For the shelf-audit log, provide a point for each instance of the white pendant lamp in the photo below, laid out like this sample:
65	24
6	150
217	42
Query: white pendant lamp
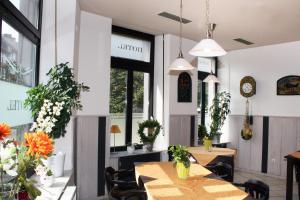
180	64
211	78
208	47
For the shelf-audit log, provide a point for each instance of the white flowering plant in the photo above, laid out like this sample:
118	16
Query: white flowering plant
52	104
47	116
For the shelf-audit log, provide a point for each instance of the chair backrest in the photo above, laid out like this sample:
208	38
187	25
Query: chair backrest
257	189
223	170
109	177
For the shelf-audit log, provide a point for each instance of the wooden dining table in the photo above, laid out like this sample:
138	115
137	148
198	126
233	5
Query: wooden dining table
161	182
205	157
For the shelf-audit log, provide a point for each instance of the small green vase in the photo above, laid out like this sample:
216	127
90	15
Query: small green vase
182	171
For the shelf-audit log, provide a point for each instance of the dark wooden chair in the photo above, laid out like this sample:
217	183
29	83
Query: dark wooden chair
297	171
121	189
222	170
256	189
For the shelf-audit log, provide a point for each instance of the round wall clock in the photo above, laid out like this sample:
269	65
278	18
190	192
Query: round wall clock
247	86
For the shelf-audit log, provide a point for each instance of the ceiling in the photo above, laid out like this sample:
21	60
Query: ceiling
262	22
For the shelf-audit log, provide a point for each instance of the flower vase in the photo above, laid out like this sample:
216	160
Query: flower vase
182	171
59	164
47	181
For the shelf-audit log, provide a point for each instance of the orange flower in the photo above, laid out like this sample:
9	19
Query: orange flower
39	144
5	131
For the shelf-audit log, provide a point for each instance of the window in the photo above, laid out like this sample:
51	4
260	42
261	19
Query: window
19	55
205	66
131	86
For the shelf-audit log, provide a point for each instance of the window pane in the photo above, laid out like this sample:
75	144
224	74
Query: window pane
18	57
199	100
118	97
17	75
29	8
206	64
140	105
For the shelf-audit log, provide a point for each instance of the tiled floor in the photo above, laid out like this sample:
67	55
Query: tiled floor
277	186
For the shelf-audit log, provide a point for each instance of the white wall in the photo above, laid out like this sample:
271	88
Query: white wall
66	21
266	64
171	106
94	63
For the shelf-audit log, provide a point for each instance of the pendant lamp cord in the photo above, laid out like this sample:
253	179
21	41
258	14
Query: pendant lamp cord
55	33
180	29
207	12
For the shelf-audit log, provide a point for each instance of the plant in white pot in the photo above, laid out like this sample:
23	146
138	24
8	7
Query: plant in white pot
219	111
52	105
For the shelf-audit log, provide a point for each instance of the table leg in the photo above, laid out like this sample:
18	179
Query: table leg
289	180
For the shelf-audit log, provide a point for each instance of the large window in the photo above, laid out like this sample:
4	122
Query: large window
20	40
205	66
131	83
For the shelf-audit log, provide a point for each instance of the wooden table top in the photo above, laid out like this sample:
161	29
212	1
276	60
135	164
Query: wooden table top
161	183
204	157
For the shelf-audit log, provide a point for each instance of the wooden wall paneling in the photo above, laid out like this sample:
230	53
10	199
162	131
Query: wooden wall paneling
244	153
185	134
298	134
235	126
175	128
274	154
180	129
288	141
256	144
87	157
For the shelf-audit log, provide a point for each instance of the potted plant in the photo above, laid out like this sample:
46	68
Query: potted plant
218	114
153	127
202	132
52	106
181	160
16	158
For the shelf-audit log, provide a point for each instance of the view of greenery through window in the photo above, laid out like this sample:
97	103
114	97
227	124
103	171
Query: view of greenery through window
118	89
118	102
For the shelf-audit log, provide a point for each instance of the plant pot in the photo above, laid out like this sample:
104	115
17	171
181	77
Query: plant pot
182	171
47	181
148	147
217	137
22	195
207	144
130	149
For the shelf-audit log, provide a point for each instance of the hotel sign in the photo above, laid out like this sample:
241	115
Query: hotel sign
130	48
12	110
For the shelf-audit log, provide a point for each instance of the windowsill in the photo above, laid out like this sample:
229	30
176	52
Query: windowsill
119	154
56	190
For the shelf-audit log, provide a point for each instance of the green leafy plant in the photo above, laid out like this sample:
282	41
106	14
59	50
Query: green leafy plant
219	112
150	124
202	131
180	155
61	87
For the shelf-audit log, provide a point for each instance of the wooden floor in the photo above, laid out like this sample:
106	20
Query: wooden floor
277	185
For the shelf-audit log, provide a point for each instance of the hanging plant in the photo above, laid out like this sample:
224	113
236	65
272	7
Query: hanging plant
153	131
52	104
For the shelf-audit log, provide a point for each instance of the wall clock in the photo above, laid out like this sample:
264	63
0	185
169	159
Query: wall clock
247	86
